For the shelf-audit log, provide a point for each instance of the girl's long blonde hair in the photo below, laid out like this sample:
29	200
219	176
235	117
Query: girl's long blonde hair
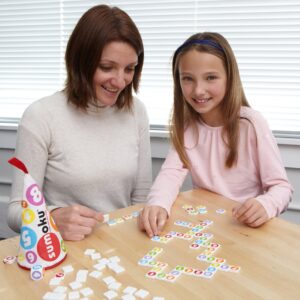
183	115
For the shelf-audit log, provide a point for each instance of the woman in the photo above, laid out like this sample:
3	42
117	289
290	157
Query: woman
88	146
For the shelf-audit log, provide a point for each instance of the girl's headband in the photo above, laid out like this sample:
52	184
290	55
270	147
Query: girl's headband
199	42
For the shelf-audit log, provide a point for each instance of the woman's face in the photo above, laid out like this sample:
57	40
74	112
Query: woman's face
114	72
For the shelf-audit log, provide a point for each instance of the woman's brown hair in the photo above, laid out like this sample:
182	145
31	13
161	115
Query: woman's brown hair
96	28
183	115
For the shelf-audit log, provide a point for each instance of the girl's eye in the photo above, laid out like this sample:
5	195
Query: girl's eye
211	77
186	78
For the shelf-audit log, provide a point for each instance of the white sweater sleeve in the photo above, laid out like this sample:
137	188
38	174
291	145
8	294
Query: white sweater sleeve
33	139
144	174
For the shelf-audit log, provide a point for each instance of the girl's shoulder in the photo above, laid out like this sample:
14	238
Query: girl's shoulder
253	118
252	115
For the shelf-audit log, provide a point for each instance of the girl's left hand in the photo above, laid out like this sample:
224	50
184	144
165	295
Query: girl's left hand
251	213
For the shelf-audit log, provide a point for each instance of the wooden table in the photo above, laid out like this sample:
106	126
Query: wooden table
269	257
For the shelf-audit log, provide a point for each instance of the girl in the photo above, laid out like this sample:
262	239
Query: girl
227	146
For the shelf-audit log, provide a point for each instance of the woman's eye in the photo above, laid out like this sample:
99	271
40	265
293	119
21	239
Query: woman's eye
130	70
105	68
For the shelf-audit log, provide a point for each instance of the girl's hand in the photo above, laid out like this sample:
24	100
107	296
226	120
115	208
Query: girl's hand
152	219
76	221
251	213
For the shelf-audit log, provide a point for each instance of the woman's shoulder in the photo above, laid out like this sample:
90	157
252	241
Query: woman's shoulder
138	105
139	109
46	105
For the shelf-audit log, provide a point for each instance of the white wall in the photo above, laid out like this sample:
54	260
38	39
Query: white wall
290	150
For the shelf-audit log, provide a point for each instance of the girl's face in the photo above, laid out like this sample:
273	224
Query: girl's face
203	83
114	72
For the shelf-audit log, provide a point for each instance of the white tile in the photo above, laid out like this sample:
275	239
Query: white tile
110	295
130	290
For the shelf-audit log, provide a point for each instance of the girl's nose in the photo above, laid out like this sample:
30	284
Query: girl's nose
199	88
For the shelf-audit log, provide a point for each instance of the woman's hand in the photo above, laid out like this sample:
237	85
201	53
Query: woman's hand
76	221
152	219
251	213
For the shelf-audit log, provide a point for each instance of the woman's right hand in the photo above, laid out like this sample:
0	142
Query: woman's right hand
75	222
152	219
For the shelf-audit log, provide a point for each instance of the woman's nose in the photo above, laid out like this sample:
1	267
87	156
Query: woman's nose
119	80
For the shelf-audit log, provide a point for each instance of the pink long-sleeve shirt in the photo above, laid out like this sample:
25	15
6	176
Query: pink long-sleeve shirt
259	172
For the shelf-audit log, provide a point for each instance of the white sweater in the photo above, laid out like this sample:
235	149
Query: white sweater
99	158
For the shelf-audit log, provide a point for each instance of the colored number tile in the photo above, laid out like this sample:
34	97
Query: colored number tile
161	264
194	246
185	206
170	278
224	268
143	262
151	274
156	269
172	233
179	268
111	222
235	269
127	217
211	269
119	220
188	271
207	274
216	265
199	242
135	214
220	260
202	257
175	273
187	237
197	272
161	275
9	260
36	274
